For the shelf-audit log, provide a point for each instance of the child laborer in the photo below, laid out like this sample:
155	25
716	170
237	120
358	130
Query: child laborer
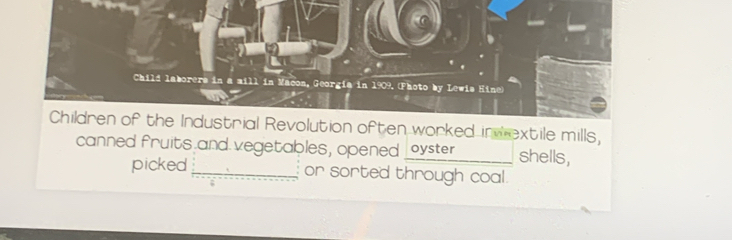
271	28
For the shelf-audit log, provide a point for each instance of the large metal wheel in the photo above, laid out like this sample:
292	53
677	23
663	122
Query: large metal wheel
417	22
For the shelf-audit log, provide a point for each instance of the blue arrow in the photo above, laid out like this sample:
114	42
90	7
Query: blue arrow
501	7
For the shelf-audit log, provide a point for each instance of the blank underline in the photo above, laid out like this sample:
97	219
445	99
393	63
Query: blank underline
244	175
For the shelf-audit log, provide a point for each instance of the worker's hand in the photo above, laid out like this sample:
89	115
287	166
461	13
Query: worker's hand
213	92
185	23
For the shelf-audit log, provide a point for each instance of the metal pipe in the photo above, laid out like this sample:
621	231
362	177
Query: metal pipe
253	49
320	44
224	33
325	45
280	49
283	49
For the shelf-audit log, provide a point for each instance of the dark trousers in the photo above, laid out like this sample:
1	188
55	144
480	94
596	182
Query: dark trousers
147	32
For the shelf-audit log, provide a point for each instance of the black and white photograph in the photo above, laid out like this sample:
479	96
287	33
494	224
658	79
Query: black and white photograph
542	58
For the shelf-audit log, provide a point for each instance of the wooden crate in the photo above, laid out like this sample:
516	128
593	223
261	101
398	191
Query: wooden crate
566	88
